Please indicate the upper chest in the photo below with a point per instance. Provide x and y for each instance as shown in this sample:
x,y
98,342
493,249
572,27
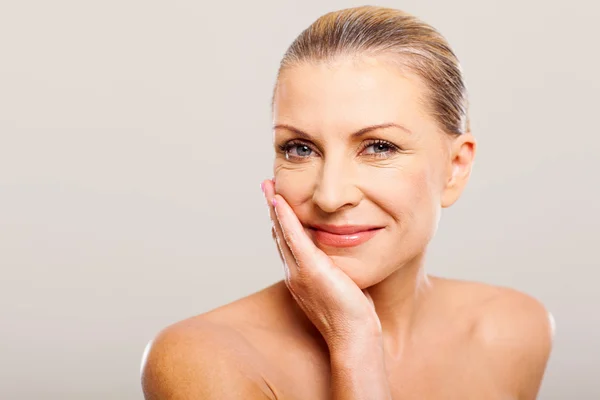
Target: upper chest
x,y
448,371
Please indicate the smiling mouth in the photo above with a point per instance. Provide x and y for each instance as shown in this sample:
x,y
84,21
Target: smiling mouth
x,y
344,229
343,236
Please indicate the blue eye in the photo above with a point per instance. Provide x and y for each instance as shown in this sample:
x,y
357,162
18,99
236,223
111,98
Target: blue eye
x,y
302,150
293,149
379,147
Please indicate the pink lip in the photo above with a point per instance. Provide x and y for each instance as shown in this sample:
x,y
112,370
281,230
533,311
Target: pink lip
x,y
343,236
344,229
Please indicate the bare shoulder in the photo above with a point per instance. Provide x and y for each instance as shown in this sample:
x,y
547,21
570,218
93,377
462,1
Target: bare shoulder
x,y
500,313
513,333
517,332
514,318
202,357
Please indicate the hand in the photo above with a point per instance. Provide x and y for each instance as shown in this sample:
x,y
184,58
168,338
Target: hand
x,y
338,308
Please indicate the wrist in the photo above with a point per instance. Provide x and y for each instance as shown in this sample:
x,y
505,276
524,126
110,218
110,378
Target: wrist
x,y
352,339
358,370
350,350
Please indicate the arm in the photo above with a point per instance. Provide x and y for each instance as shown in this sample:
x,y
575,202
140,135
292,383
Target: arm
x,y
200,363
358,370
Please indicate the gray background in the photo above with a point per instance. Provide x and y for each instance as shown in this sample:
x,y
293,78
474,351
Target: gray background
x,y
134,136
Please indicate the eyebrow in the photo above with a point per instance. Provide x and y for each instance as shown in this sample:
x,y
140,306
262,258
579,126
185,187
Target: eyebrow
x,y
356,134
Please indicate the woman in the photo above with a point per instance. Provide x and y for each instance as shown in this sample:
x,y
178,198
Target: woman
x,y
372,140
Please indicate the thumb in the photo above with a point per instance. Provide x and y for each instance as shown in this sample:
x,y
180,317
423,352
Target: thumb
x,y
370,299
368,296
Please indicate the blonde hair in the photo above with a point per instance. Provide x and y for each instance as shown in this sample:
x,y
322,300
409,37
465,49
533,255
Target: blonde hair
x,y
372,30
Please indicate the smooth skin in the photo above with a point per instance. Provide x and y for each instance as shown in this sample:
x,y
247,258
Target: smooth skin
x,y
363,322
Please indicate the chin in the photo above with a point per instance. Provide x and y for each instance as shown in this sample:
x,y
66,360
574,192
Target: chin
x,y
370,267
362,273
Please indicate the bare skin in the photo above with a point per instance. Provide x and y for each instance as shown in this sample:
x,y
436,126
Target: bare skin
x,y
362,322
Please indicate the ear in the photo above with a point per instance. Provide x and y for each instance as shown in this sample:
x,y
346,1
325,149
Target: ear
x,y
462,155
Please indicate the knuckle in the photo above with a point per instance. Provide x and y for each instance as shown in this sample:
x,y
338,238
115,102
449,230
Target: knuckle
x,y
302,281
295,283
290,238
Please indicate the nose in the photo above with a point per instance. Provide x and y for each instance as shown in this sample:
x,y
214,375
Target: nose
x,y
336,187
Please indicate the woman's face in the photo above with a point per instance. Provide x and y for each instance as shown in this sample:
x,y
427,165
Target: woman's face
x,y
396,178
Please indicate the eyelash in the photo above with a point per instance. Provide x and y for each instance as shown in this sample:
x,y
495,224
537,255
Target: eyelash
x,y
285,147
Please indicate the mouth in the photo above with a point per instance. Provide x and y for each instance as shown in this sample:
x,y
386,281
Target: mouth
x,y
343,235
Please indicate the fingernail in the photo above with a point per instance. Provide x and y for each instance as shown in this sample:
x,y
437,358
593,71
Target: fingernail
x,y
262,187
274,202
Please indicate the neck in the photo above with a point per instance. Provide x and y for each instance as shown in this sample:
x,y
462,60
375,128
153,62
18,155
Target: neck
x,y
399,301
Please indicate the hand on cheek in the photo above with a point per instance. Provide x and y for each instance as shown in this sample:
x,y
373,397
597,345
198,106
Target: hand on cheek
x,y
331,300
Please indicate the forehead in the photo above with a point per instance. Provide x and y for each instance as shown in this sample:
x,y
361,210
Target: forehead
x,y
348,94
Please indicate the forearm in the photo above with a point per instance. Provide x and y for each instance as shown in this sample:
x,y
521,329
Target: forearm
x,y
358,371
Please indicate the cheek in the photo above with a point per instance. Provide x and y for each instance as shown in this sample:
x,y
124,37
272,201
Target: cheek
x,y
402,190
410,196
423,203
295,184
423,188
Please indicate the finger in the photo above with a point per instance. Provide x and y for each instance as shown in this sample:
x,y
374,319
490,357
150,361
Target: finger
x,y
301,246
274,236
284,250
